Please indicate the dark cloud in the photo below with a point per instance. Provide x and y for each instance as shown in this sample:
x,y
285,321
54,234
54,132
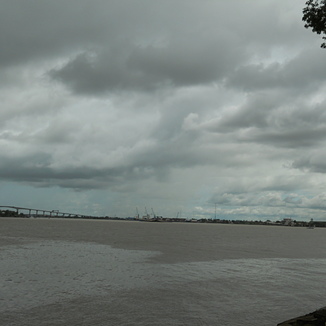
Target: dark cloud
x,y
287,138
277,119
295,74
315,162
38,170
216,101
40,29
126,66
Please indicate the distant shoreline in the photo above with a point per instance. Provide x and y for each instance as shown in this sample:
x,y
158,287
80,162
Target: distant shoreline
x,y
317,224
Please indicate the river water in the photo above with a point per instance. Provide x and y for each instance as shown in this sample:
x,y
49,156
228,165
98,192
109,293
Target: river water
x,y
92,272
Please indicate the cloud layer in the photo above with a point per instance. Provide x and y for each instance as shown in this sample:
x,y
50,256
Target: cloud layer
x,y
177,105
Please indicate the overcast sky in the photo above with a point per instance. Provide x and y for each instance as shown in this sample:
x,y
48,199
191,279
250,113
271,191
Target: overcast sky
x,y
175,105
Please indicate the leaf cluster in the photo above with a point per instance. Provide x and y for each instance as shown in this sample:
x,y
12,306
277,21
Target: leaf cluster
x,y
314,16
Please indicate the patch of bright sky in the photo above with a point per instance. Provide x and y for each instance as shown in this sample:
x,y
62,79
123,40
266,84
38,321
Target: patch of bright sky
x,y
278,55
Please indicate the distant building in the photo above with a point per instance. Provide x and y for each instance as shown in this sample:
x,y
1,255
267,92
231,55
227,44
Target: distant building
x,y
288,222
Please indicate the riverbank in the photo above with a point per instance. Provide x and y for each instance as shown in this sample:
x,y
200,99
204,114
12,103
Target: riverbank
x,y
56,214
316,318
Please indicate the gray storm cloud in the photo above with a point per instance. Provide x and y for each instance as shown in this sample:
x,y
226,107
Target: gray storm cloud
x,y
177,101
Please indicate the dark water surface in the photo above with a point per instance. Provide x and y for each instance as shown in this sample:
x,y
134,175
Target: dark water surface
x,y
91,272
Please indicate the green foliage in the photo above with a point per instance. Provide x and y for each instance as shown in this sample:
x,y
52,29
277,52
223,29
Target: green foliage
x,y
314,16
